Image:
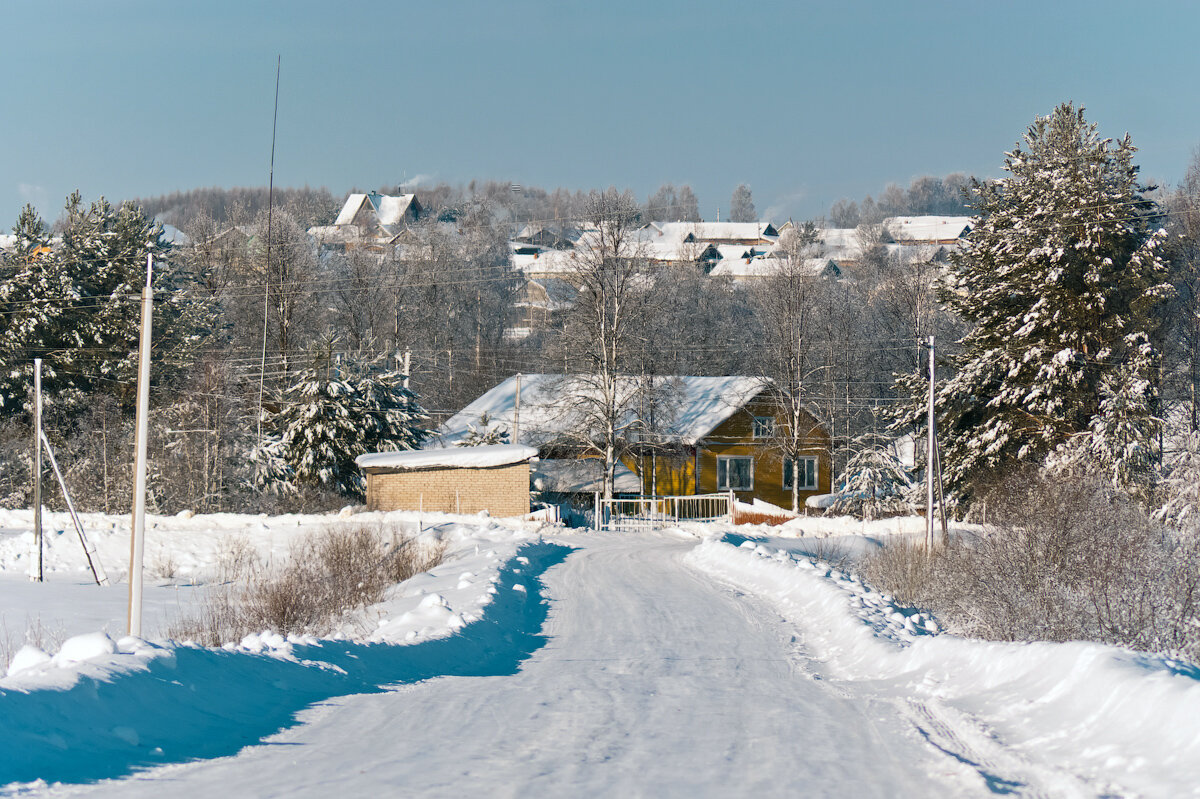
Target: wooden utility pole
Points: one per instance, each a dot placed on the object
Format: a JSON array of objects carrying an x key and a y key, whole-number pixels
[
  {"x": 930, "y": 457},
  {"x": 36, "y": 571},
  {"x": 516, "y": 435},
  {"x": 137, "y": 539}
]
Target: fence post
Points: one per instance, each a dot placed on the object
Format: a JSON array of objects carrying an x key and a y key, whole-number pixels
[{"x": 596, "y": 513}]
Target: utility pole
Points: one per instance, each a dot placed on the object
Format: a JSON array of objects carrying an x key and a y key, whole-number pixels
[
  {"x": 930, "y": 457},
  {"x": 516, "y": 436},
  {"x": 137, "y": 539},
  {"x": 36, "y": 571}
]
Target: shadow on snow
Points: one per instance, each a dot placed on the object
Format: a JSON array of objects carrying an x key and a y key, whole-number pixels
[{"x": 208, "y": 703}]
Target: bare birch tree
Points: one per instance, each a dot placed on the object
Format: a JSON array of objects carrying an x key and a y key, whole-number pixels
[
  {"x": 601, "y": 334},
  {"x": 787, "y": 300}
]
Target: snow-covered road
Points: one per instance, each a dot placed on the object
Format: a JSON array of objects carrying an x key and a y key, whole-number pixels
[{"x": 654, "y": 680}]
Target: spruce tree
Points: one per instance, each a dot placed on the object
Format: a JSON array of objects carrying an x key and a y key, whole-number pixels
[
  {"x": 335, "y": 412},
  {"x": 1059, "y": 278},
  {"x": 78, "y": 306}
]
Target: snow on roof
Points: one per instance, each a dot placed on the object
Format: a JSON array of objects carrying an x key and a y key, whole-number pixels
[
  {"x": 583, "y": 476},
  {"x": 692, "y": 406},
  {"x": 716, "y": 231},
  {"x": 390, "y": 210},
  {"x": 927, "y": 228},
  {"x": 175, "y": 236},
  {"x": 349, "y": 209},
  {"x": 762, "y": 266},
  {"x": 480, "y": 457}
]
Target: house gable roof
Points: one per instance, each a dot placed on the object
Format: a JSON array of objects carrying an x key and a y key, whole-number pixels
[{"x": 697, "y": 406}]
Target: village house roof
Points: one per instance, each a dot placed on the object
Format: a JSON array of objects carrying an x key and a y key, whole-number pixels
[
  {"x": 927, "y": 229},
  {"x": 692, "y": 407},
  {"x": 388, "y": 210}
]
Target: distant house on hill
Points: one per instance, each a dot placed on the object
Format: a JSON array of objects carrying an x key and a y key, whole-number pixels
[
  {"x": 371, "y": 221},
  {"x": 702, "y": 435}
]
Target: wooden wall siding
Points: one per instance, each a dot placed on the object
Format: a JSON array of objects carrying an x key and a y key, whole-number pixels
[
  {"x": 735, "y": 438},
  {"x": 500, "y": 490}
]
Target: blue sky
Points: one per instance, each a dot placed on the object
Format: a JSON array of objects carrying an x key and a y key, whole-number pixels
[{"x": 805, "y": 102}]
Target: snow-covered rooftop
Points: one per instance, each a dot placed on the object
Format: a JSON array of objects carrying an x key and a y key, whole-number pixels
[
  {"x": 689, "y": 409},
  {"x": 388, "y": 209},
  {"x": 481, "y": 457},
  {"x": 927, "y": 228}
]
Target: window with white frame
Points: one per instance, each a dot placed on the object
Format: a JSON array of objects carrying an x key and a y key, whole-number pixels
[
  {"x": 764, "y": 426},
  {"x": 735, "y": 474},
  {"x": 807, "y": 468}
]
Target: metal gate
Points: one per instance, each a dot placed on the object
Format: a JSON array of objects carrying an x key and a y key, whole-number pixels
[{"x": 654, "y": 513}]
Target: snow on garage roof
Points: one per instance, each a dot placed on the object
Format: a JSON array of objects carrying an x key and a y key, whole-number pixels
[
  {"x": 453, "y": 457},
  {"x": 692, "y": 406}
]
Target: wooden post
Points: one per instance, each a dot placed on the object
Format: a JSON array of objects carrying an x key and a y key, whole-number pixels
[
  {"x": 36, "y": 570},
  {"x": 516, "y": 436},
  {"x": 137, "y": 538},
  {"x": 930, "y": 458}
]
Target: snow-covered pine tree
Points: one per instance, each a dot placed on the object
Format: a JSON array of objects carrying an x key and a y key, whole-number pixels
[
  {"x": 331, "y": 415},
  {"x": 79, "y": 306},
  {"x": 317, "y": 430},
  {"x": 874, "y": 482},
  {"x": 1059, "y": 278},
  {"x": 1123, "y": 433},
  {"x": 391, "y": 417}
]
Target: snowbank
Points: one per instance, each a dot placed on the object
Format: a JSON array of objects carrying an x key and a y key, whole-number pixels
[
  {"x": 1117, "y": 717},
  {"x": 100, "y": 708}
]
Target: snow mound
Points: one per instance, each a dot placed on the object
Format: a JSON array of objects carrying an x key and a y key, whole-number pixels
[{"x": 1109, "y": 714}]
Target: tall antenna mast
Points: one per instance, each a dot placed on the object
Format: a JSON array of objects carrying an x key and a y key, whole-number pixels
[{"x": 262, "y": 369}]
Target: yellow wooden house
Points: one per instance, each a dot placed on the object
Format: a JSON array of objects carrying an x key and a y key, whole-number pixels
[{"x": 682, "y": 435}]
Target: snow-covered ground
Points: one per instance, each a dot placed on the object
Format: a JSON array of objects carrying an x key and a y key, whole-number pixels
[{"x": 544, "y": 662}]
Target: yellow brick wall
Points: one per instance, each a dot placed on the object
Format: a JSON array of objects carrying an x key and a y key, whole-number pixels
[{"x": 500, "y": 490}]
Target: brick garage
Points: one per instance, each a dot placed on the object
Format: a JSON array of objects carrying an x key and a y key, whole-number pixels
[{"x": 456, "y": 480}]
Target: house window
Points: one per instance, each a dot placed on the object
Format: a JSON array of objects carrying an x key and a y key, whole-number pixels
[
  {"x": 764, "y": 426},
  {"x": 808, "y": 473},
  {"x": 736, "y": 474}
]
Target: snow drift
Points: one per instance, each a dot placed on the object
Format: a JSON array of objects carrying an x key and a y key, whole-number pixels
[{"x": 1116, "y": 717}]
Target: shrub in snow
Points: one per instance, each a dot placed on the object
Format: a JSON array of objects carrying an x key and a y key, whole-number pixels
[
  {"x": 1063, "y": 559},
  {"x": 326, "y": 575},
  {"x": 1181, "y": 486}
]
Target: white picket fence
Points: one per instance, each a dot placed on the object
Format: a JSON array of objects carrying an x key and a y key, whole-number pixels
[{"x": 654, "y": 513}]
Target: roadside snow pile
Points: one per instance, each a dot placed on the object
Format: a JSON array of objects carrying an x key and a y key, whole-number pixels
[
  {"x": 1118, "y": 717},
  {"x": 98, "y": 707}
]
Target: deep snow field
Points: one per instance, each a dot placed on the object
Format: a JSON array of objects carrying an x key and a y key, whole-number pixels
[{"x": 522, "y": 615}]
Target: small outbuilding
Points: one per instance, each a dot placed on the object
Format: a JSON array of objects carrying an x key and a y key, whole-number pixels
[{"x": 494, "y": 478}]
